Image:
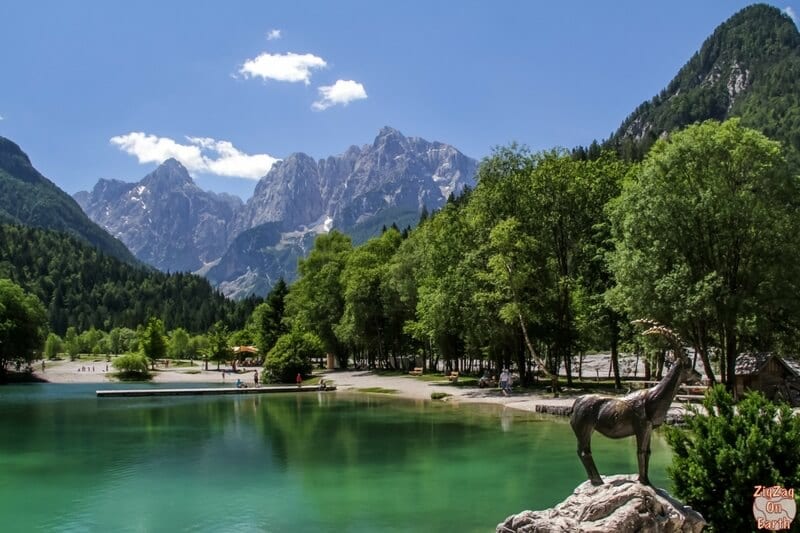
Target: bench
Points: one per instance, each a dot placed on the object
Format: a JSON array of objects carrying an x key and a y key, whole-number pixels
[
  {"x": 417, "y": 371},
  {"x": 692, "y": 389},
  {"x": 689, "y": 397},
  {"x": 453, "y": 377}
]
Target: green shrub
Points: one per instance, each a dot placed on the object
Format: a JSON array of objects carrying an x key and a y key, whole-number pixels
[
  {"x": 291, "y": 355},
  {"x": 132, "y": 365},
  {"x": 721, "y": 456}
]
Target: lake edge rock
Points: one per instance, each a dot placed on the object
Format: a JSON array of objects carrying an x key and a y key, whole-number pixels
[{"x": 620, "y": 504}]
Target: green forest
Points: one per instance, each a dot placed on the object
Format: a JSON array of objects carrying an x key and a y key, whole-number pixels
[
  {"x": 84, "y": 288},
  {"x": 748, "y": 68},
  {"x": 552, "y": 255}
]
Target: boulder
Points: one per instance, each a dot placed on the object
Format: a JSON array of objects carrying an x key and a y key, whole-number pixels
[{"x": 621, "y": 504}]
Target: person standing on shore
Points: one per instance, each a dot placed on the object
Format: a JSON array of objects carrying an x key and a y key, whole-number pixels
[
  {"x": 504, "y": 381},
  {"x": 299, "y": 380},
  {"x": 255, "y": 377}
]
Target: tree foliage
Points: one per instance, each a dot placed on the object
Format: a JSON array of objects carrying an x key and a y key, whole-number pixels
[
  {"x": 131, "y": 365},
  {"x": 153, "y": 342},
  {"x": 724, "y": 452},
  {"x": 218, "y": 349},
  {"x": 316, "y": 301},
  {"x": 178, "y": 346},
  {"x": 707, "y": 239},
  {"x": 522, "y": 252},
  {"x": 83, "y": 288},
  {"x": 292, "y": 355},
  {"x": 267, "y": 321},
  {"x": 53, "y": 346},
  {"x": 23, "y": 324}
]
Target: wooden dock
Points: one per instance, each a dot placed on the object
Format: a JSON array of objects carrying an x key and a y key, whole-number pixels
[{"x": 114, "y": 393}]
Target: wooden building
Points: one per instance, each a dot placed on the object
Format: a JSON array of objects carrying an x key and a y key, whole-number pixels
[{"x": 777, "y": 377}]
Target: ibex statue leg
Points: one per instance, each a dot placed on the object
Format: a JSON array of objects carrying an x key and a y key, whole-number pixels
[
  {"x": 643, "y": 451},
  {"x": 585, "y": 453}
]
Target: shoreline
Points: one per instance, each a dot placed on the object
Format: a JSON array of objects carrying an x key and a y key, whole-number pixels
[{"x": 349, "y": 381}]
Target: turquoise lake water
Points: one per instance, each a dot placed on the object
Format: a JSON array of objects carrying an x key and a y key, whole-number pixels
[{"x": 281, "y": 462}]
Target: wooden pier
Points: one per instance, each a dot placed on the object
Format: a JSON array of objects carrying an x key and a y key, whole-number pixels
[{"x": 114, "y": 393}]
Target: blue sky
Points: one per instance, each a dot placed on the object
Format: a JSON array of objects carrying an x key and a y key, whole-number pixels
[{"x": 103, "y": 89}]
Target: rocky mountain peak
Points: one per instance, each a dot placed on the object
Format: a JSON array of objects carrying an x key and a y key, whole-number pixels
[
  {"x": 388, "y": 131},
  {"x": 165, "y": 219},
  {"x": 170, "y": 174},
  {"x": 289, "y": 193},
  {"x": 390, "y": 141},
  {"x": 170, "y": 223}
]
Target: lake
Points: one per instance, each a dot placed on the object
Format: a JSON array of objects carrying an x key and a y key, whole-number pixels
[{"x": 282, "y": 462}]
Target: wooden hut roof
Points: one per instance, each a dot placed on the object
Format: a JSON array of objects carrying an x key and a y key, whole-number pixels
[
  {"x": 748, "y": 364},
  {"x": 247, "y": 349},
  {"x": 793, "y": 365}
]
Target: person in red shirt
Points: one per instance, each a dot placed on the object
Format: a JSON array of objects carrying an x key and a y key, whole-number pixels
[{"x": 299, "y": 380}]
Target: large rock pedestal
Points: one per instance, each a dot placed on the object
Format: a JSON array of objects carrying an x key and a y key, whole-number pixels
[{"x": 621, "y": 504}]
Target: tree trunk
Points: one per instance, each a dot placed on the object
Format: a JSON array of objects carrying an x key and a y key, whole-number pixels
[
  {"x": 660, "y": 364},
  {"x": 701, "y": 348},
  {"x": 615, "y": 359},
  {"x": 553, "y": 377},
  {"x": 730, "y": 356},
  {"x": 613, "y": 333},
  {"x": 568, "y": 368}
]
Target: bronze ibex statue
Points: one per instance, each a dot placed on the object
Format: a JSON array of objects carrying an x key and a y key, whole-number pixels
[{"x": 635, "y": 414}]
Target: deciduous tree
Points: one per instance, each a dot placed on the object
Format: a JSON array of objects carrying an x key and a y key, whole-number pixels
[
  {"x": 316, "y": 302},
  {"x": 153, "y": 342},
  {"x": 23, "y": 324},
  {"x": 707, "y": 235}
]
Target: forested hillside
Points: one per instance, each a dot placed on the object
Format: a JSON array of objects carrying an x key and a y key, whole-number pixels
[
  {"x": 83, "y": 287},
  {"x": 27, "y": 197},
  {"x": 749, "y": 68}
]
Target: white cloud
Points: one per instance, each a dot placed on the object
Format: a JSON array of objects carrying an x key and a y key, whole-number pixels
[
  {"x": 340, "y": 93},
  {"x": 273, "y": 34},
  {"x": 2, "y": 118},
  {"x": 203, "y": 154},
  {"x": 789, "y": 10},
  {"x": 289, "y": 67}
]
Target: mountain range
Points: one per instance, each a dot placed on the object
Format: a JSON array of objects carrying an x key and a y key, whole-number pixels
[
  {"x": 749, "y": 67},
  {"x": 170, "y": 223}
]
